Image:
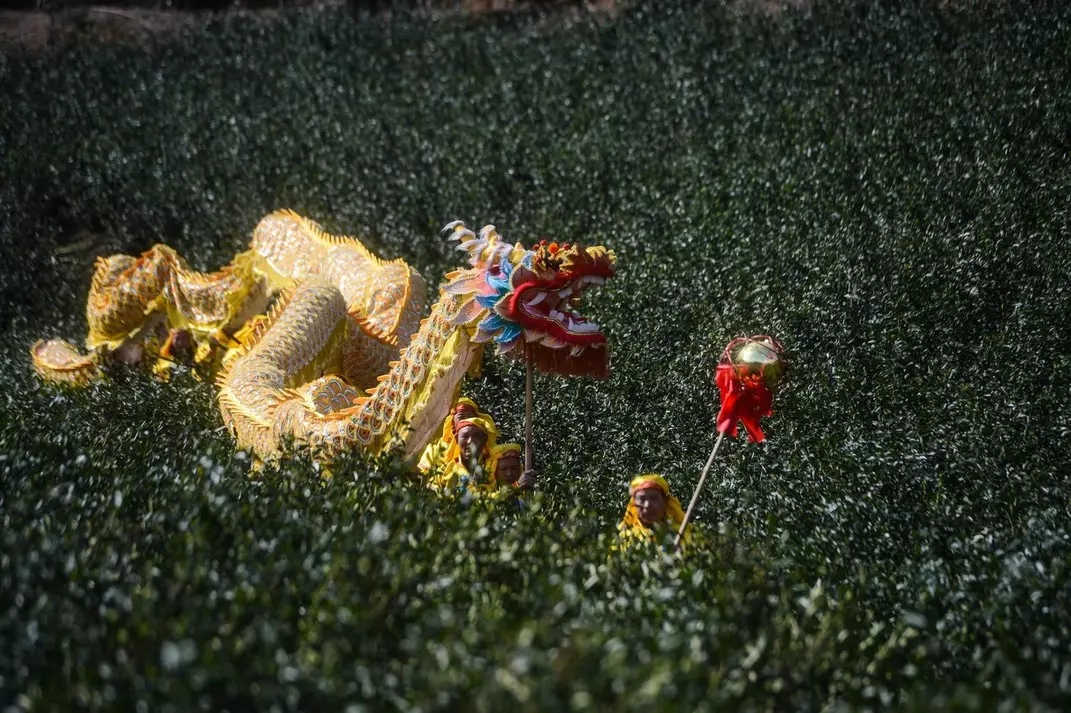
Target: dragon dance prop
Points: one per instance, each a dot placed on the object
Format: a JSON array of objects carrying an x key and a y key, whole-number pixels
[
  {"x": 553, "y": 253},
  {"x": 748, "y": 375},
  {"x": 342, "y": 360}
]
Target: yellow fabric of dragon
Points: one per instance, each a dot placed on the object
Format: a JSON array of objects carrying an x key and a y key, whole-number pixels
[
  {"x": 342, "y": 360},
  {"x": 138, "y": 303}
]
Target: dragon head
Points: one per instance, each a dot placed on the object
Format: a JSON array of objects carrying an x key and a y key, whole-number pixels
[{"x": 525, "y": 301}]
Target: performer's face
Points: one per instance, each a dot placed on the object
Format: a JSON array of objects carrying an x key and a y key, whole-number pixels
[
  {"x": 650, "y": 506},
  {"x": 508, "y": 470},
  {"x": 471, "y": 441}
]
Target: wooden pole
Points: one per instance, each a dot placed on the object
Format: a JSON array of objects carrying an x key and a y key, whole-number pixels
[
  {"x": 528, "y": 407},
  {"x": 695, "y": 495}
]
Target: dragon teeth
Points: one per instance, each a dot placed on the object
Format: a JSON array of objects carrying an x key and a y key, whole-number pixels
[
  {"x": 540, "y": 296},
  {"x": 565, "y": 292},
  {"x": 583, "y": 327}
]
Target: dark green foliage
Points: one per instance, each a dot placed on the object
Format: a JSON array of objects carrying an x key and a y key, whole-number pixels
[{"x": 886, "y": 191}]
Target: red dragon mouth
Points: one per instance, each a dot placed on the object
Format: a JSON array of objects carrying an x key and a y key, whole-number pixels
[
  {"x": 558, "y": 338},
  {"x": 551, "y": 310}
]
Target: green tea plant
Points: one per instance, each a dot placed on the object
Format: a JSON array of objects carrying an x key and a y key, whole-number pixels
[{"x": 885, "y": 189}]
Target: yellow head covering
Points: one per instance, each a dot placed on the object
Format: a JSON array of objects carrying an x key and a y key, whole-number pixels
[
  {"x": 631, "y": 528},
  {"x": 449, "y": 463},
  {"x": 447, "y": 429},
  {"x": 499, "y": 452},
  {"x": 449, "y": 435},
  {"x": 502, "y": 449},
  {"x": 485, "y": 424},
  {"x": 642, "y": 482},
  {"x": 439, "y": 453}
]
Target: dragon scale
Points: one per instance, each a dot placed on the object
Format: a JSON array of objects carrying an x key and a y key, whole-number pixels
[{"x": 268, "y": 401}]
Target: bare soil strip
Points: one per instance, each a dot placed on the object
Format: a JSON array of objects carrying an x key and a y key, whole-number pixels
[{"x": 39, "y": 30}]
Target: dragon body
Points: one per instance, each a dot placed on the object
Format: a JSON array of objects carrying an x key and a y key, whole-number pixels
[
  {"x": 135, "y": 303},
  {"x": 342, "y": 360},
  {"x": 384, "y": 299},
  {"x": 141, "y": 308}
]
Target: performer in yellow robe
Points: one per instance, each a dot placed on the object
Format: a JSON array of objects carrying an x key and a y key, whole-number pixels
[
  {"x": 464, "y": 461},
  {"x": 503, "y": 479},
  {"x": 435, "y": 454},
  {"x": 436, "y": 449},
  {"x": 505, "y": 464},
  {"x": 652, "y": 515},
  {"x": 502, "y": 476}
]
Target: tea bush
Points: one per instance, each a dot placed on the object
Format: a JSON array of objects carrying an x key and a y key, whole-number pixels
[{"x": 883, "y": 188}]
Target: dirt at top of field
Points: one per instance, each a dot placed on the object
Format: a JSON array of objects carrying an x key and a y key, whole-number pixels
[{"x": 38, "y": 30}]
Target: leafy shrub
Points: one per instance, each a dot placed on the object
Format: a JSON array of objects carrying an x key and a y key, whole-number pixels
[{"x": 883, "y": 189}]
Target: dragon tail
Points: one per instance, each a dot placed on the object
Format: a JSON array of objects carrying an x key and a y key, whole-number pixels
[{"x": 60, "y": 362}]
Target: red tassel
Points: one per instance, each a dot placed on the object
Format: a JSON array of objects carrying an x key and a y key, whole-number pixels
[{"x": 744, "y": 402}]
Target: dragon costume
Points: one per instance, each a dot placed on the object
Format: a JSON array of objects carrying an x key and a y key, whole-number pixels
[
  {"x": 138, "y": 306},
  {"x": 511, "y": 297},
  {"x": 342, "y": 360}
]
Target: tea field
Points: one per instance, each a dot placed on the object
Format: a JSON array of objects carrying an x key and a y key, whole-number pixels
[{"x": 885, "y": 187}]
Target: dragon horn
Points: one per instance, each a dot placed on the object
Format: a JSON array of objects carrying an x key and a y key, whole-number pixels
[{"x": 451, "y": 225}]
